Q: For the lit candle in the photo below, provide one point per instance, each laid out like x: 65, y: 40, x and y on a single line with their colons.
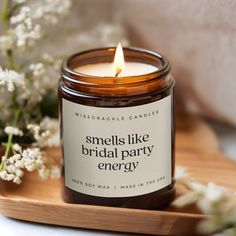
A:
x: 117, y: 130
x: 118, y: 68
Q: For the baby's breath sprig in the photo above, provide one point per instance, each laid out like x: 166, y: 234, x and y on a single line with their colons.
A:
x: 23, y: 85
x: 213, y: 200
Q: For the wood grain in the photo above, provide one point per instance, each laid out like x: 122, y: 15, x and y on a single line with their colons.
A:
x: 193, y: 134
x: 40, y: 201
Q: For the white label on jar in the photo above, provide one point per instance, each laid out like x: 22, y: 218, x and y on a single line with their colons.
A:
x: 117, y: 152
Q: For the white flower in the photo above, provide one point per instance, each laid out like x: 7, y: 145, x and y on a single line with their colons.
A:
x: 12, y: 171
x: 25, y: 32
x: 37, y: 69
x: 41, y: 80
x: 32, y: 159
x: 22, y: 16
x: 213, y: 201
x: 214, y: 192
x: 196, y: 192
x: 186, y: 199
x: 17, y: 148
x: 25, y: 35
x: 54, y: 140
x: 11, y: 78
x: 198, y: 187
x: 4, y: 175
x: 51, y: 10
x: 13, y: 131
x: 181, y: 173
x: 17, y: 180
x: 16, y: 160
x: 39, y: 135
x: 204, y: 196
x: 34, y: 128
x: 55, y: 172
x: 212, y: 198
x: 44, y: 172
x: 46, y: 133
x: 50, y: 124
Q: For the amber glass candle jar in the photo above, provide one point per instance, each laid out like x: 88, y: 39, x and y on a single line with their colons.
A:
x: 117, y: 133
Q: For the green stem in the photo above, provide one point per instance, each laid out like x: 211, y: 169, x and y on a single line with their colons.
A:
x: 10, y: 59
x: 9, y: 141
x: 5, y: 16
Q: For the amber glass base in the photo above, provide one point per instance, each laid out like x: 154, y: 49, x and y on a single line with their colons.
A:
x: 156, y: 200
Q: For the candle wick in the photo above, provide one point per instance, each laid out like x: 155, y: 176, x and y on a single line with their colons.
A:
x: 118, y: 71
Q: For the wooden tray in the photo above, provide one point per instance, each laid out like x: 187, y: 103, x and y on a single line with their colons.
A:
x: 197, y: 148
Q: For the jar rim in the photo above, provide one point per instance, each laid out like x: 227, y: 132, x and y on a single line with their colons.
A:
x: 73, y: 76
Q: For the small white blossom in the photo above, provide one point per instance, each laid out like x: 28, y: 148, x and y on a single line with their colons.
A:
x: 25, y: 32
x: 17, y: 148
x: 51, y: 10
x: 215, y: 193
x: 212, y: 197
x: 46, y: 133
x: 55, y: 172
x: 34, y: 128
x: 198, y: 187
x: 32, y: 159
x: 22, y: 16
x: 204, y: 196
x: 54, y: 140
x: 13, y: 131
x: 37, y: 69
x: 50, y: 124
x: 11, y: 78
x: 16, y: 160
x: 12, y: 171
x: 212, y: 200
x: 181, y: 173
x: 39, y: 135
x: 25, y: 36
x: 4, y: 175
x: 186, y: 199
x: 17, y: 180
x: 44, y: 172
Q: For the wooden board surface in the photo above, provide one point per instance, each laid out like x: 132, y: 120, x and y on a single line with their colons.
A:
x: 197, y: 148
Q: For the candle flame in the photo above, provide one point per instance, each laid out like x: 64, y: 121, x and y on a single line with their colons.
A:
x: 119, y: 61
